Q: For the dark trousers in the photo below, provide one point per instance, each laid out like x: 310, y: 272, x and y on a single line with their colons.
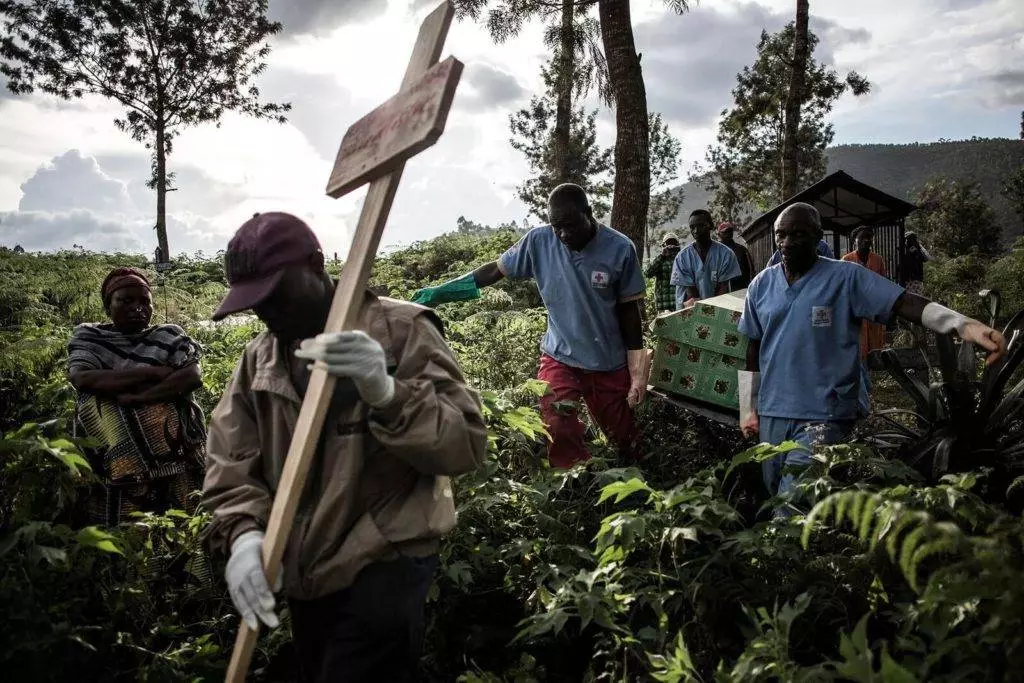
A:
x: 371, y: 631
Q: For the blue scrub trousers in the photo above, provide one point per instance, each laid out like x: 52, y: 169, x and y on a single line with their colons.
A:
x: 807, y: 433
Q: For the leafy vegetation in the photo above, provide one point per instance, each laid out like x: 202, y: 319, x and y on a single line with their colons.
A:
x: 670, y: 570
x: 954, y: 219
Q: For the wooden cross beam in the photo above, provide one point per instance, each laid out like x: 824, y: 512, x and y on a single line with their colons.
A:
x: 374, y: 150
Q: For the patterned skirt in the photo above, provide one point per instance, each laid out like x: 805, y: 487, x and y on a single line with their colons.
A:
x: 149, y: 458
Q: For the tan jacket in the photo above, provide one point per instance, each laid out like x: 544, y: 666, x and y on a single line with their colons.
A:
x: 379, y: 484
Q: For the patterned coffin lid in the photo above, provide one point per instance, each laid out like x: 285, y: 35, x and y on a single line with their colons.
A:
x: 710, y: 325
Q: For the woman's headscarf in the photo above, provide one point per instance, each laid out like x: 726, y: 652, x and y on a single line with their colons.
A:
x: 119, y: 278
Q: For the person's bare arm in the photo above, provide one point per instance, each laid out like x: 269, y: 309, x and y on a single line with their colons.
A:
x: 723, y: 287
x: 630, y: 324
x: 753, y: 355
x: 910, y: 307
x: 692, y: 293
x: 630, y: 318
x: 178, y: 383
x: 113, y: 382
x: 487, y: 274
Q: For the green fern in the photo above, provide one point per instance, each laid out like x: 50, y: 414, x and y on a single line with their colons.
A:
x: 910, y: 536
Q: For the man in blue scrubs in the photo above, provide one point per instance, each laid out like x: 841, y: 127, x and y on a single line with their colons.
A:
x: 590, y: 279
x: 803, y: 319
x: 704, y: 268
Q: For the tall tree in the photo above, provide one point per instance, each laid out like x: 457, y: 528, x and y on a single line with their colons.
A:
x: 794, y: 98
x: 746, y: 160
x: 666, y: 195
x: 566, y: 71
x: 726, y: 202
x: 632, y: 161
x: 631, y: 197
x: 577, y: 66
x: 170, y: 63
x: 591, y: 164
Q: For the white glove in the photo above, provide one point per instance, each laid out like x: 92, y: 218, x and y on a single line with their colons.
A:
x: 246, y: 582
x: 355, y: 355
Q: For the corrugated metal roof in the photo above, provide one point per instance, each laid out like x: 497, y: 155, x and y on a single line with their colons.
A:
x: 844, y: 203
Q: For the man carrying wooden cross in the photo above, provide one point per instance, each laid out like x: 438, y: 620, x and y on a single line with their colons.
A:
x: 363, y: 548
x: 590, y: 280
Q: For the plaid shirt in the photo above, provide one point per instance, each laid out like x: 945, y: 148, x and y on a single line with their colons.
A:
x: 664, y: 293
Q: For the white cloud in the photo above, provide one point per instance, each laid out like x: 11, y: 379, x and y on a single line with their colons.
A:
x: 45, y: 231
x: 940, y: 67
x: 71, y: 182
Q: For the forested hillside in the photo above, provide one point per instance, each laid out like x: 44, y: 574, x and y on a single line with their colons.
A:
x: 900, y: 169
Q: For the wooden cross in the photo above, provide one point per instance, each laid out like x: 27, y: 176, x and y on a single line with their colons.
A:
x: 374, y: 150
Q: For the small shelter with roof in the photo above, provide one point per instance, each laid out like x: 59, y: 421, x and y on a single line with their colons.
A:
x: 845, y: 204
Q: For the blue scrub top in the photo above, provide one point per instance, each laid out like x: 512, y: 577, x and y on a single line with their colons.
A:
x: 689, y: 271
x: 810, y: 336
x: 580, y: 290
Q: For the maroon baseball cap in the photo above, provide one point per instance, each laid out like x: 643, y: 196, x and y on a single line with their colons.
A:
x: 257, y: 256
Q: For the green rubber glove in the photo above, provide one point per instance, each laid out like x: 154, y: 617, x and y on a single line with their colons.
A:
x: 460, y: 289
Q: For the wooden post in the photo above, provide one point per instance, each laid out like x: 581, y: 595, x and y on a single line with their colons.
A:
x: 373, y: 150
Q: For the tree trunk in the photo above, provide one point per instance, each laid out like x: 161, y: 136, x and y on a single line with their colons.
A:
x: 161, y: 193
x: 794, y: 98
x: 632, y: 168
x: 562, y: 166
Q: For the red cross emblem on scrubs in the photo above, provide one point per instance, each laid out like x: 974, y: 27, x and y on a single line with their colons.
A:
x: 599, y: 279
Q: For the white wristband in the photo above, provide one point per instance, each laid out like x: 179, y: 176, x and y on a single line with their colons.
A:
x: 938, y: 318
x: 748, y: 386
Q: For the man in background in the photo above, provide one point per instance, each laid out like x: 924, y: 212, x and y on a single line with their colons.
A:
x: 912, y: 263
x: 661, y: 270
x: 705, y: 268
x: 872, y: 335
x: 912, y: 275
x: 726, y: 232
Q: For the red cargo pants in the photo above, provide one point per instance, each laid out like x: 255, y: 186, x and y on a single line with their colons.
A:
x: 605, y: 395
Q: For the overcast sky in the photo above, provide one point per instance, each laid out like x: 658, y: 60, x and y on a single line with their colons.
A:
x: 939, y: 68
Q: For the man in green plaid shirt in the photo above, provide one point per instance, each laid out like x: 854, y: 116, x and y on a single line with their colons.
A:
x: 661, y: 270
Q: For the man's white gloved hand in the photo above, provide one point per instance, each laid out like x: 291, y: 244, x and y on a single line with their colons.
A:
x: 355, y: 355
x: 938, y: 318
x: 247, y: 583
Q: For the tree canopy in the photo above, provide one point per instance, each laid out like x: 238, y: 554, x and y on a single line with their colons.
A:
x: 532, y: 134
x: 746, y: 160
x: 170, y: 64
x: 955, y: 219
